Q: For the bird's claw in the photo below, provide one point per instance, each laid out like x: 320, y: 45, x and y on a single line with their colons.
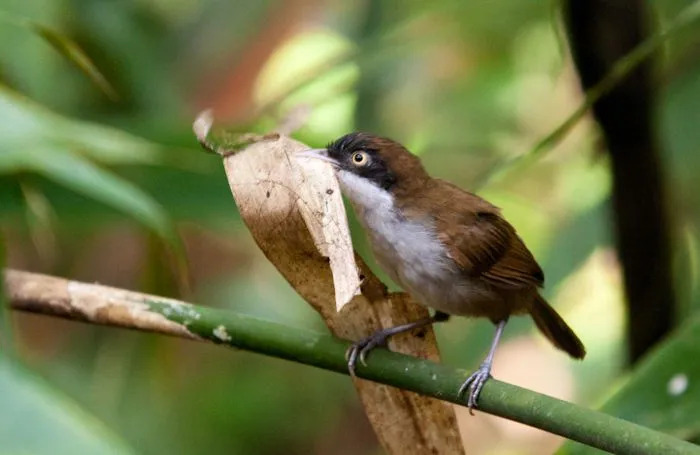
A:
x: 360, y: 350
x: 474, y: 383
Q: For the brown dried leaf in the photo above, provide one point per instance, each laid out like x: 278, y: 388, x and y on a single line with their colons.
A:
x: 321, y: 206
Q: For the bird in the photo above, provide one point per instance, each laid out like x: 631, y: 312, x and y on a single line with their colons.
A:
x: 450, y: 249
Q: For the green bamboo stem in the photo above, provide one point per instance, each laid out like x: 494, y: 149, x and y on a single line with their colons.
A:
x: 428, y: 378
x: 109, y: 306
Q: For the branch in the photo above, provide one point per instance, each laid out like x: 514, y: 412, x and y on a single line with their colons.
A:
x: 110, y: 306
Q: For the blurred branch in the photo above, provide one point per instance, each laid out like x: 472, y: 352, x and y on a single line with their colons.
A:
x: 115, y: 307
x: 609, y: 41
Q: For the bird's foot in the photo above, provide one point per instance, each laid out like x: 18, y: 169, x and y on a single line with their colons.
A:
x: 474, y: 383
x: 360, y: 349
x: 363, y: 347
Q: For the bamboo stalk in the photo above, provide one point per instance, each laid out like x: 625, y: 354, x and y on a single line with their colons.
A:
x: 105, y: 305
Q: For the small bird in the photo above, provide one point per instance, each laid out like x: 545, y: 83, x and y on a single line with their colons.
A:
x: 448, y: 248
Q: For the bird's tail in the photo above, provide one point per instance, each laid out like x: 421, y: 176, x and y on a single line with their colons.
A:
x: 555, y: 329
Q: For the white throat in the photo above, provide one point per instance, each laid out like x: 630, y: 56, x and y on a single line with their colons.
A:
x: 364, y: 194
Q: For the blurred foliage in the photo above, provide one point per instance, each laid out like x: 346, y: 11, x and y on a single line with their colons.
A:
x: 663, y: 391
x: 95, y: 187
x: 31, y: 408
x: 67, y: 152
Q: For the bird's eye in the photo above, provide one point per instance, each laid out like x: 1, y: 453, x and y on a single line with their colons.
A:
x: 359, y: 158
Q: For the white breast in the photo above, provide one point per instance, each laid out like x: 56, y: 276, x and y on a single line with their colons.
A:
x: 408, y: 251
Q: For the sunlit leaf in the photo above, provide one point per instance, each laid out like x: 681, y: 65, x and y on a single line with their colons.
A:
x: 36, y: 419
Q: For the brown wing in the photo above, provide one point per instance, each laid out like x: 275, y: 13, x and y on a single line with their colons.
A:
x: 482, y: 243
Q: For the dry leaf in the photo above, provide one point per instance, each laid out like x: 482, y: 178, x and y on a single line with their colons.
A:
x: 321, y: 206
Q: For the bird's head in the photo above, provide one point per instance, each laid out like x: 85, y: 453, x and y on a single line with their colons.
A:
x: 367, y: 163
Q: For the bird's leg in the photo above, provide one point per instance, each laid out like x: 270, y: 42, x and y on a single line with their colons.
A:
x: 360, y: 349
x: 475, y: 382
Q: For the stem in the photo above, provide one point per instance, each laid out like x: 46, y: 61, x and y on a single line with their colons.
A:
x: 109, y: 306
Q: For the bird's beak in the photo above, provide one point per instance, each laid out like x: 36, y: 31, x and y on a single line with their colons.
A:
x: 319, y: 154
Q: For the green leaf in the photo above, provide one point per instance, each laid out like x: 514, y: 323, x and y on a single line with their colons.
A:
x: 67, y: 48
x: 36, y: 419
x: 71, y: 51
x: 35, y: 139
x: 663, y: 392
x: 24, y: 122
x: 82, y: 176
